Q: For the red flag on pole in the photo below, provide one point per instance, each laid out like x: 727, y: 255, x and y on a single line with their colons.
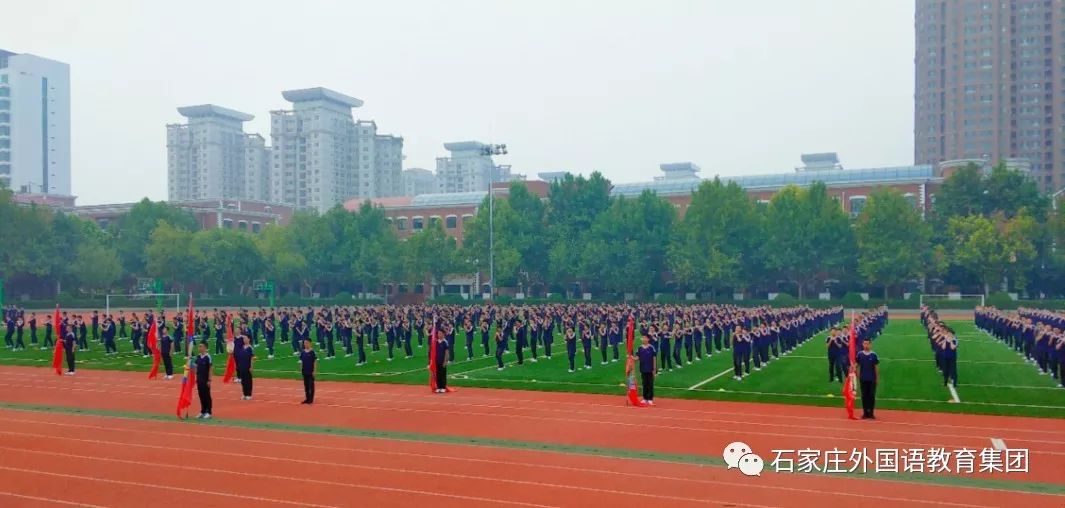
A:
x: 848, y: 385
x: 231, y: 363
x: 630, y: 364
x: 189, y: 379
x: 57, y: 353
x: 153, y: 344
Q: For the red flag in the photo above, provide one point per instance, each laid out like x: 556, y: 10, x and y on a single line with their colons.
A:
x: 432, y: 357
x: 57, y: 353
x: 848, y: 385
x: 630, y: 364
x: 185, y: 397
x: 231, y: 363
x: 153, y: 344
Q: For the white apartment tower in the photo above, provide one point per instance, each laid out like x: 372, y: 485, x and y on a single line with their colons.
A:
x: 256, y: 168
x: 34, y: 124
x: 212, y: 157
x: 468, y: 169
x: 378, y: 162
x: 418, y: 181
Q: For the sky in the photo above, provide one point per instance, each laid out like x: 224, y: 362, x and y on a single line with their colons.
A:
x: 617, y: 86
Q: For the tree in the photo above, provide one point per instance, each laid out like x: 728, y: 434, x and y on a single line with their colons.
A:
x: 807, y: 235
x: 714, y: 243
x: 626, y: 247
x: 430, y: 253
x: 171, y: 256
x: 96, y: 266
x: 284, y: 264
x: 969, y: 191
x: 573, y: 205
x: 232, y: 258
x: 993, y: 247
x: 133, y: 230
x: 893, y: 240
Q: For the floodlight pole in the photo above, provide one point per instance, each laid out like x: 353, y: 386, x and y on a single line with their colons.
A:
x: 489, y: 151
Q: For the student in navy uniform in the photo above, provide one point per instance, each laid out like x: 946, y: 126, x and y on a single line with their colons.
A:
x: 832, y: 349
x: 69, y: 342
x: 648, y: 369
x: 301, y: 334
x: 741, y: 353
x: 309, y: 368
x: 219, y: 334
x: 48, y: 327
x: 499, y: 348
x: 20, y: 325
x: 203, y: 382
x: 442, y: 349
x: 868, y: 377
x: 269, y: 334
x: 108, y: 332
x: 96, y: 326
x: 571, y: 346
x: 166, y: 349
x: 82, y: 334
x: 33, y: 328
x: 9, y: 322
x: 244, y: 356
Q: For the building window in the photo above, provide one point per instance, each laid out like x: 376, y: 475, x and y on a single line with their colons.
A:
x: 227, y: 223
x: 451, y: 222
x: 857, y: 203
x: 466, y: 219
x: 417, y: 223
x: 434, y: 221
x: 242, y: 225
x: 256, y: 227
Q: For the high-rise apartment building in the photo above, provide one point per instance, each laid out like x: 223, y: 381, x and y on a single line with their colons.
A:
x: 212, y: 157
x: 313, y: 145
x: 378, y: 162
x: 468, y: 169
x: 990, y: 83
x: 418, y: 181
x: 34, y: 124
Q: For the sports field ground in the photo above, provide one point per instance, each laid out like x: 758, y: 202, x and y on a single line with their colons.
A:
x: 992, y: 379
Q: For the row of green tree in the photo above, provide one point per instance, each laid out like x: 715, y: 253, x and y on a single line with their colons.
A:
x: 985, y: 231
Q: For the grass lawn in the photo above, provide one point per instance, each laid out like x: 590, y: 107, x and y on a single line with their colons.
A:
x: 992, y: 378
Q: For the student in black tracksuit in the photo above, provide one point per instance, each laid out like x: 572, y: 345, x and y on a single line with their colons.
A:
x: 309, y: 368
x: 203, y: 382
x: 166, y: 349
x: 69, y: 344
x: 868, y: 377
x: 442, y: 349
x: 244, y: 356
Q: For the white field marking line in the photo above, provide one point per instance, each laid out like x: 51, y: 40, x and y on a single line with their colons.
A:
x: 709, y: 379
x: 348, y: 390
x: 953, y: 394
x: 998, y: 443
x: 567, y: 420
x: 49, y: 500
x: 922, y: 360
x: 782, y: 394
x: 159, y: 485
x: 307, y: 480
x: 419, y: 455
x: 1015, y: 387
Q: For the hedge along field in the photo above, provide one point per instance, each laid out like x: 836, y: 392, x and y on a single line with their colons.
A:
x: 992, y: 379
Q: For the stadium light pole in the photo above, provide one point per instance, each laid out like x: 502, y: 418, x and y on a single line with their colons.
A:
x: 489, y: 151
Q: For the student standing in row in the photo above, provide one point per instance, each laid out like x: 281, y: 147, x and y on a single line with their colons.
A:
x: 166, y: 349
x: 868, y: 376
x: 203, y: 382
x: 648, y: 369
x: 243, y: 356
x: 309, y: 368
x: 68, y: 346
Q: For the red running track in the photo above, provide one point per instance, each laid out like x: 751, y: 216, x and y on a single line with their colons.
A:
x: 51, y: 459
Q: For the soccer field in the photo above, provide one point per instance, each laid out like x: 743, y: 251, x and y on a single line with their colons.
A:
x: 992, y: 378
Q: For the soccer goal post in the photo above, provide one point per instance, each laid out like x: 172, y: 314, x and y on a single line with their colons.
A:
x: 945, y: 300
x: 160, y: 301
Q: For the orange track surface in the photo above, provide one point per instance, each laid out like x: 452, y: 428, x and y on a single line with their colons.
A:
x: 51, y: 459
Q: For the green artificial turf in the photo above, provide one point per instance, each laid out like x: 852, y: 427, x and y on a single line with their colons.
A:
x: 992, y: 378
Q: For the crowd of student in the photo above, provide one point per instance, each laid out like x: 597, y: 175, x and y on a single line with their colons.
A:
x: 944, y: 343
x: 1036, y: 335
x: 867, y: 326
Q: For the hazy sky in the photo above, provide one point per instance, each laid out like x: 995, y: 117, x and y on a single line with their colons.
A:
x: 618, y: 86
